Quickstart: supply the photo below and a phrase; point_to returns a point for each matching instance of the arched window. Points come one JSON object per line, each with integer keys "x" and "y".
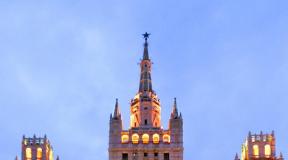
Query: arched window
{"x": 125, "y": 139}
{"x": 28, "y": 154}
{"x": 135, "y": 138}
{"x": 255, "y": 150}
{"x": 145, "y": 138}
{"x": 39, "y": 153}
{"x": 267, "y": 150}
{"x": 51, "y": 155}
{"x": 156, "y": 138}
{"x": 166, "y": 138}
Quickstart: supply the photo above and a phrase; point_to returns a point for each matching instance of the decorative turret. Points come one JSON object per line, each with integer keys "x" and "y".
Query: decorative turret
{"x": 36, "y": 148}
{"x": 115, "y": 125}
{"x": 259, "y": 146}
{"x": 117, "y": 114}
{"x": 280, "y": 156}
{"x": 236, "y": 157}
{"x": 176, "y": 124}
{"x": 174, "y": 113}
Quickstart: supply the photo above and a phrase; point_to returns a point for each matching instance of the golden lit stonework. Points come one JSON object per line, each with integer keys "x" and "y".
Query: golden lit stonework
{"x": 36, "y": 149}
{"x": 259, "y": 147}
{"x": 145, "y": 138}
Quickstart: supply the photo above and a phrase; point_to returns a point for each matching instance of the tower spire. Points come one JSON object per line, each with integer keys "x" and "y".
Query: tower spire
{"x": 145, "y": 79}
{"x": 236, "y": 157}
{"x": 116, "y": 110}
{"x": 145, "y": 53}
{"x": 174, "y": 113}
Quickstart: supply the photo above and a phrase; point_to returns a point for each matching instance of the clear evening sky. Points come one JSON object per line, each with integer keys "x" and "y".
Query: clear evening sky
{"x": 62, "y": 64}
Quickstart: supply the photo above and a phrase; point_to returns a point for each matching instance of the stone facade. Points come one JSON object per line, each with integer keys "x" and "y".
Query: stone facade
{"x": 146, "y": 139}
{"x": 259, "y": 147}
{"x": 36, "y": 148}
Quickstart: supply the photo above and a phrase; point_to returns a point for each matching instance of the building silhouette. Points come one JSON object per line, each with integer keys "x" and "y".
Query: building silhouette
{"x": 146, "y": 139}
{"x": 259, "y": 147}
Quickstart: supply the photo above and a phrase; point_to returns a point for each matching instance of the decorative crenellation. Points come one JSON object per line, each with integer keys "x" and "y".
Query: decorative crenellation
{"x": 259, "y": 146}
{"x": 36, "y": 148}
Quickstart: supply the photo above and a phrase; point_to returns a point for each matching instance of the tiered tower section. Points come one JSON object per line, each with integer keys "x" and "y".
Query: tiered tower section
{"x": 36, "y": 148}
{"x": 146, "y": 139}
{"x": 259, "y": 147}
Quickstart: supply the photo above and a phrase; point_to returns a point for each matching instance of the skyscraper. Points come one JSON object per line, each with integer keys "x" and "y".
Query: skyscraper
{"x": 146, "y": 139}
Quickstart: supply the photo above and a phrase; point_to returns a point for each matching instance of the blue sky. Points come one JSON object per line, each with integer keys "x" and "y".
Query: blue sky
{"x": 62, "y": 64}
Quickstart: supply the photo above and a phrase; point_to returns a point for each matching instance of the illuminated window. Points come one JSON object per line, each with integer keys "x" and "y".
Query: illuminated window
{"x": 125, "y": 138}
{"x": 264, "y": 138}
{"x": 145, "y": 138}
{"x": 267, "y": 150}
{"x": 25, "y": 142}
{"x": 253, "y": 138}
{"x": 156, "y": 138}
{"x": 28, "y": 153}
{"x": 166, "y": 138}
{"x": 135, "y": 138}
{"x": 39, "y": 153}
{"x": 255, "y": 150}
{"x": 51, "y": 155}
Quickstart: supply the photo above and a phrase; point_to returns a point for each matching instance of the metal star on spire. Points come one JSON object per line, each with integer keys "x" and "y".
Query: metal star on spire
{"x": 146, "y": 35}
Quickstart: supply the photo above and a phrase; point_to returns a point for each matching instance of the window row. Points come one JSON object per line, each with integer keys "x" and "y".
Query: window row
{"x": 267, "y": 150}
{"x": 125, "y": 155}
{"x": 145, "y": 138}
{"x": 29, "y": 153}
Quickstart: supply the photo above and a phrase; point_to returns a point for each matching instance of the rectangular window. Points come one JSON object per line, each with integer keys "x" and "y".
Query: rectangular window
{"x": 166, "y": 156}
{"x": 145, "y": 121}
{"x": 155, "y": 154}
{"x": 124, "y": 156}
{"x": 145, "y": 154}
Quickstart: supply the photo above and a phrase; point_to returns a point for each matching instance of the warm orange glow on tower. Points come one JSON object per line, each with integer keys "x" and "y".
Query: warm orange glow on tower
{"x": 156, "y": 138}
{"x": 135, "y": 138}
{"x": 256, "y": 150}
{"x": 39, "y": 153}
{"x": 28, "y": 153}
{"x": 36, "y": 149}
{"x": 259, "y": 147}
{"x": 125, "y": 139}
{"x": 145, "y": 124}
{"x": 267, "y": 150}
{"x": 145, "y": 138}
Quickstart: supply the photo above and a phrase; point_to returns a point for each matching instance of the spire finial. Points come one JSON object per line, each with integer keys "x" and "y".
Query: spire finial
{"x": 145, "y": 54}
{"x": 146, "y": 36}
